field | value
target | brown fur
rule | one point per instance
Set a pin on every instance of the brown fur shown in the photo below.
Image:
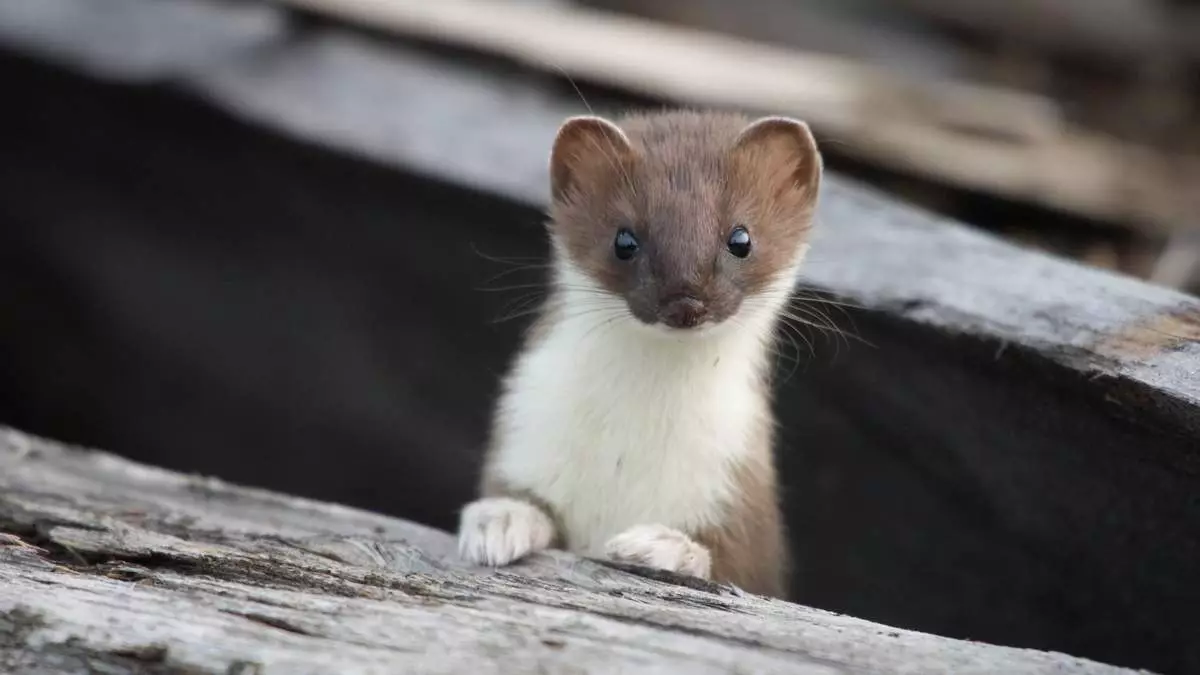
(749, 547)
(681, 182)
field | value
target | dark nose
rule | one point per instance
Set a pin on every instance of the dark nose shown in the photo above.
(683, 312)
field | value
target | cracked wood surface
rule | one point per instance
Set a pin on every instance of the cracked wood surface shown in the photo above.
(115, 567)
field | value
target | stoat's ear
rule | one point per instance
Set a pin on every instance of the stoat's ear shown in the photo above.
(585, 145)
(782, 149)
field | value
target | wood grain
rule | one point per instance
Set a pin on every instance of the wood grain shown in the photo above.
(113, 566)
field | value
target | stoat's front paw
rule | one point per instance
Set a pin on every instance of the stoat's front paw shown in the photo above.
(662, 547)
(498, 531)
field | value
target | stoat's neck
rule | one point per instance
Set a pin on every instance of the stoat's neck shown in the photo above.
(596, 324)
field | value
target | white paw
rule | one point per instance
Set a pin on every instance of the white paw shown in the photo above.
(662, 547)
(498, 531)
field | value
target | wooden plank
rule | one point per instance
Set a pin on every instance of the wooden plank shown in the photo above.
(110, 566)
(700, 66)
(1124, 33)
(1000, 141)
(1179, 264)
(866, 33)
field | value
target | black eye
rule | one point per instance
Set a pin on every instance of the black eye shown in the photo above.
(625, 245)
(739, 242)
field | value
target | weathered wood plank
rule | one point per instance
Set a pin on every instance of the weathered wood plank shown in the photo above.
(1124, 33)
(867, 32)
(118, 567)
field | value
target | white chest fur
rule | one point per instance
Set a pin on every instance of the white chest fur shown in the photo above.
(615, 427)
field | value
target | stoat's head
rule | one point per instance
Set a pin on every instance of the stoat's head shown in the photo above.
(683, 220)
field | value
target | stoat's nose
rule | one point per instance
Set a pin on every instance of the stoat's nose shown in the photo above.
(684, 311)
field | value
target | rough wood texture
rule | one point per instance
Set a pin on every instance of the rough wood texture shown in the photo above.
(116, 567)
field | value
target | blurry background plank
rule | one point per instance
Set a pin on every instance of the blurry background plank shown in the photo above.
(1119, 33)
(976, 136)
(1125, 69)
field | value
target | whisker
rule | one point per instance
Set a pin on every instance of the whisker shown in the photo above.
(826, 301)
(571, 80)
(486, 285)
(811, 316)
(841, 310)
(818, 319)
(796, 356)
(505, 261)
(525, 306)
(602, 324)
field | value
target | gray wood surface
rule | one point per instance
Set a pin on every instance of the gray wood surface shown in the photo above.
(114, 567)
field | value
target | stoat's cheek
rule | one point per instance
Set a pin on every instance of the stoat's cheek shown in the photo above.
(587, 279)
(725, 307)
(642, 304)
(643, 311)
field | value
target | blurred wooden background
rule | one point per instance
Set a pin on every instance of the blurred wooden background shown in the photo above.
(1066, 125)
(1124, 72)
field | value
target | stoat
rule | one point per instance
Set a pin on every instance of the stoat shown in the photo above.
(635, 422)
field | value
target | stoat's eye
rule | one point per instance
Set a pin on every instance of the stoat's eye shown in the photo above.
(739, 242)
(625, 245)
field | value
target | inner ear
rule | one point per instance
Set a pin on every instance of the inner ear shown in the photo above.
(785, 148)
(585, 147)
